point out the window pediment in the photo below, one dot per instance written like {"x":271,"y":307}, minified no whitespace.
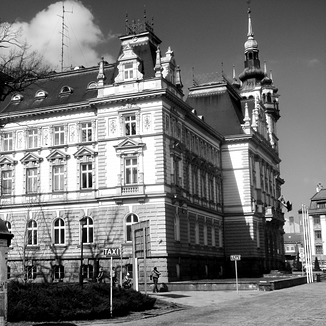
{"x":85,"y":151}
{"x":129,"y":145}
{"x":57,"y":154}
{"x":30,"y":157}
{"x":129,"y":108}
{"x":7,"y":161}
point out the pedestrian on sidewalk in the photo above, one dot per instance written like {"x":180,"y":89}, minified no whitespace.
{"x":155,"y":276}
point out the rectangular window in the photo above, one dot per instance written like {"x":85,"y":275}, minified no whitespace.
{"x":86,"y":132}
{"x":316,"y":221}
{"x":203,"y":186}
{"x":175,"y":163}
{"x":194,"y":182}
{"x":30,"y":272}
{"x":319,"y":250}
{"x":318,"y":235}
{"x":131,"y":171}
{"x":86,"y":176}
{"x":58,"y":178}
{"x":130,"y":125}
{"x":31,"y":180}
{"x":7,"y":142}
{"x":129,"y":71}
{"x":32,"y":138}
{"x":6,"y":182}
{"x":59,"y":135}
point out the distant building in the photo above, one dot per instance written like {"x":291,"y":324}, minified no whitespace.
{"x":89,"y":154}
{"x":317,"y":221}
{"x":293,"y":224}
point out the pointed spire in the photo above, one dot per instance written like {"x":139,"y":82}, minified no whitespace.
{"x":158,"y":66}
{"x":251,"y":43}
{"x":265,"y":68}
{"x":246,"y":125}
{"x":233,"y":72}
{"x":250,"y":32}
{"x":270,"y":75}
{"x":101,"y":75}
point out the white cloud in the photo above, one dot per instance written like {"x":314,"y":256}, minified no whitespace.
{"x":81,"y":35}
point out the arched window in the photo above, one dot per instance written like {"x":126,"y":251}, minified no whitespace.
{"x":88,"y":230}
{"x":32,"y":233}
{"x":269,"y":98}
{"x":130,"y":220}
{"x":8,"y":225}
{"x":59,"y":231}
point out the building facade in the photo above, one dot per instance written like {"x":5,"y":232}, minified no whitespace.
{"x":89,"y":153}
{"x":317,"y":225}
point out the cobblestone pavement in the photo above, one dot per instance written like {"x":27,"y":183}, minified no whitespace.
{"x":302,"y":305}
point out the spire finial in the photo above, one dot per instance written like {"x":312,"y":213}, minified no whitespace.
{"x":158,"y":66}
{"x":250,"y":32}
{"x":233,"y":72}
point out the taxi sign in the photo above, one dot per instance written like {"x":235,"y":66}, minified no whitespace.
{"x":235,"y":257}
{"x":112,"y":251}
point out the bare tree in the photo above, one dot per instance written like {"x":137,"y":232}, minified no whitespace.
{"x":19,"y":67}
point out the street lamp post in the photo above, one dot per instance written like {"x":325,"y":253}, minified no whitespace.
{"x":82,"y":222}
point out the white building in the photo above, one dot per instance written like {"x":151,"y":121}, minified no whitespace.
{"x":117,"y":144}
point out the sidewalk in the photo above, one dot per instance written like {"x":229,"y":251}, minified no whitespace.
{"x":300,"y":305}
{"x":205,"y":298}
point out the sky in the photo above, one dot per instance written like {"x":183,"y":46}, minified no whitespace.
{"x":208,"y":36}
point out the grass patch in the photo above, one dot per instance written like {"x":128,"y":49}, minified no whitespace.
{"x":56,"y":302}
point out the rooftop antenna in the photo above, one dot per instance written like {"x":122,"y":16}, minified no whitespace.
{"x":64,"y":28}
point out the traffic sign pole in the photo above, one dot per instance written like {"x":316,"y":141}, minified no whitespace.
{"x":235,"y":258}
{"x":236,"y":276}
{"x":111,"y":288}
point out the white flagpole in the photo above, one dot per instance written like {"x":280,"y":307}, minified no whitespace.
{"x":305,"y":240}
{"x":310,"y":246}
{"x":307,"y":244}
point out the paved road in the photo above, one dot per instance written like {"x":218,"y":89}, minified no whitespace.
{"x":302,"y":305}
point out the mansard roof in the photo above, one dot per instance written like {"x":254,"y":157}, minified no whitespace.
{"x":220,"y":105}
{"x":319,"y":196}
{"x":64,"y":91}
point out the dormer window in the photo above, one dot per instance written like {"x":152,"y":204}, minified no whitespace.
{"x":129,"y":66}
{"x":41,"y":94}
{"x":17,"y":98}
{"x":66,"y":90}
{"x":92,"y":85}
{"x":128,"y":70}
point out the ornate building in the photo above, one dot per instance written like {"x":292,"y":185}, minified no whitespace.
{"x":246,"y":114}
{"x":89,"y":153}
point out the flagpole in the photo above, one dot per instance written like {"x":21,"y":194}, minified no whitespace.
{"x":310,"y":247}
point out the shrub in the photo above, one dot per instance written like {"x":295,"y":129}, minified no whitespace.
{"x":54,"y":302}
